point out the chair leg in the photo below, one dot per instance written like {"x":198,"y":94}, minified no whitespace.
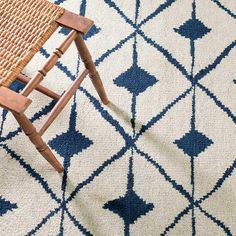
{"x":90,"y":66}
{"x":37,"y":140}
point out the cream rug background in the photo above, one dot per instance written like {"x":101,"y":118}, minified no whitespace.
{"x":160,"y":159}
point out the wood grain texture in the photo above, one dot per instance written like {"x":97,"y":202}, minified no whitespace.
{"x":90,"y":66}
{"x":51,"y":62}
{"x":13,"y":101}
{"x":75,"y":22}
{"x":37,"y":140}
{"x":24,"y":79}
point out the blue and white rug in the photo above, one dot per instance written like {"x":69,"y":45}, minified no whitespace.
{"x":160,"y":159}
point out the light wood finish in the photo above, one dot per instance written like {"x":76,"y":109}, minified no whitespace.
{"x":90,"y":66}
{"x":13,"y":101}
{"x":75,"y":22}
{"x":24,"y":79}
{"x":18,"y":103}
{"x":49,"y":64}
{"x":37,"y":140}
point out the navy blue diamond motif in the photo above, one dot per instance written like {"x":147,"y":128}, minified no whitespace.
{"x":17,"y":86}
{"x":70,"y":143}
{"x":6,"y":206}
{"x":193,"y":143}
{"x":135,"y":80}
{"x":130,"y":207}
{"x":93,"y":31}
{"x":193,"y":29}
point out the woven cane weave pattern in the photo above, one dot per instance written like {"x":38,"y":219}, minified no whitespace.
{"x":25,"y":27}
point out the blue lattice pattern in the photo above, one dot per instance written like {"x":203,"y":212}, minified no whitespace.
{"x":160,"y":159}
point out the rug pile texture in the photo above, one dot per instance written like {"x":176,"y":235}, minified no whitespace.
{"x":160,"y":158}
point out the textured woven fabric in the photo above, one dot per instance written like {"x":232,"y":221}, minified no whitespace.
{"x":160,"y":159}
{"x":25,"y":25}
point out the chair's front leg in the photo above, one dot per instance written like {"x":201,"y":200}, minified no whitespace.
{"x":37,"y":140}
{"x":90,"y":66}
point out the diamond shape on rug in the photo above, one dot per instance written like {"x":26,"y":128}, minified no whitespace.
{"x":87,"y":206}
{"x":6,"y":206}
{"x":193,"y":143}
{"x":193,"y":29}
{"x":157,"y":141}
{"x":130,"y":207}
{"x":173,"y":16}
{"x":222,"y":34}
{"x":136,"y":80}
{"x":164,"y":199}
{"x":70,"y":143}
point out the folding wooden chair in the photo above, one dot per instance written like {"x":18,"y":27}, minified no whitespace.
{"x":25,"y":25}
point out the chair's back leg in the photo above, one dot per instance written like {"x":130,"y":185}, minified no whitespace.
{"x":37,"y":140}
{"x":90,"y":66}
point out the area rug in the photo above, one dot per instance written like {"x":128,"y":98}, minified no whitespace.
{"x":160,"y":158}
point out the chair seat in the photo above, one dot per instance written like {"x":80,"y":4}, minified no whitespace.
{"x":25,"y":25}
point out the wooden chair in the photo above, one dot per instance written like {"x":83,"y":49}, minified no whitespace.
{"x":25,"y":25}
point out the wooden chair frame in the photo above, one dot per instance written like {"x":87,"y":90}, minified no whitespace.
{"x":18,"y":103}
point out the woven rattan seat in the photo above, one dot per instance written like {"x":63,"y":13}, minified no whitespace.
{"x":25,"y":26}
